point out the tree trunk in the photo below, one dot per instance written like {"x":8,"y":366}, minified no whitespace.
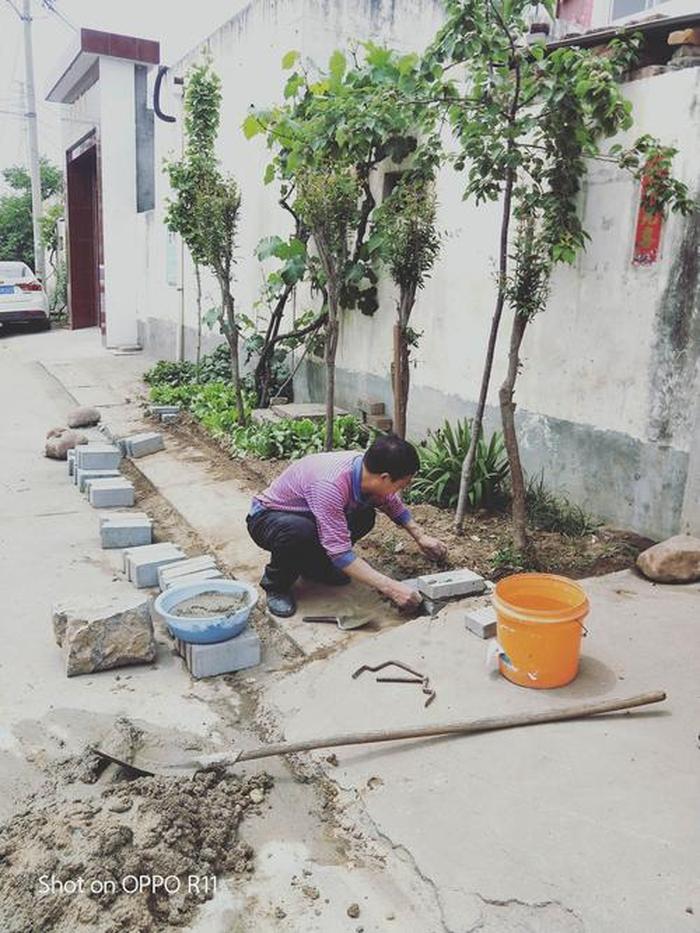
{"x":330,"y":351}
{"x":520,"y":535}
{"x":402,"y":372}
{"x":478,"y":420}
{"x":198,"y":280}
{"x":231,"y":332}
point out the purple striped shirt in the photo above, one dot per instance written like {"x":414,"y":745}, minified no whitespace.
{"x":328,"y":486}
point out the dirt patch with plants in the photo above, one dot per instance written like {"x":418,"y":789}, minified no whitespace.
{"x":140,"y":853}
{"x":485,"y":544}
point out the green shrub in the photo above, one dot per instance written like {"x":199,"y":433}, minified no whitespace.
{"x":213,"y":404}
{"x":291,"y":439}
{"x":441,"y":459}
{"x":167,"y":373}
{"x":550,"y":512}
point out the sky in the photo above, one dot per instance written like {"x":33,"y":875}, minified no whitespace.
{"x":178,"y":26}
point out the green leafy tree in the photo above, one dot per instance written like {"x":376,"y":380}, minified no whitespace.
{"x":408,"y":242}
{"x":328,"y":202}
{"x":527,"y":123}
{"x":16,"y":236}
{"x":206,"y":206}
{"x":350,"y":118}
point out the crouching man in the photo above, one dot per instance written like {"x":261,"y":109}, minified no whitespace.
{"x":312,"y":514}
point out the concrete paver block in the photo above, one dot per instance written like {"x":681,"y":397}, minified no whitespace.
{"x":160,"y":410}
{"x":199,"y":576}
{"x":482,"y":622}
{"x":84,"y":475}
{"x":169,"y":417}
{"x":98,"y":457}
{"x":113,"y":517}
{"x":142,"y":569}
{"x":122,"y":534}
{"x":140,"y":445}
{"x":70,"y":460}
{"x":451,"y":583}
{"x":149,"y":550}
{"x":224,"y":657}
{"x":110,"y":492}
{"x":191,"y":565}
{"x":429,"y":607}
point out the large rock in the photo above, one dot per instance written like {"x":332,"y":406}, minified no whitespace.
{"x":58,"y":445}
{"x":83,"y":417}
{"x":101,"y":632}
{"x":676,"y":560}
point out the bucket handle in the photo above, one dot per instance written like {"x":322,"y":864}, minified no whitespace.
{"x":584,"y":629}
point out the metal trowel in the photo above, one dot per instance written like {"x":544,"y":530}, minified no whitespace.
{"x":344,"y":623}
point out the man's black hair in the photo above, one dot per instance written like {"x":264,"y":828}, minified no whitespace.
{"x":393,"y":455}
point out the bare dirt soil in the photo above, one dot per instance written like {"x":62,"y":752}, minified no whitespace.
{"x":483,"y":545}
{"x":71,"y":860}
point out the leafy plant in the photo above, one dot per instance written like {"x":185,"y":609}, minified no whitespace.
{"x":441,"y":459}
{"x":213,"y":404}
{"x":507,"y":556}
{"x":291,"y":439}
{"x":551,"y":512}
{"x":168,"y":373}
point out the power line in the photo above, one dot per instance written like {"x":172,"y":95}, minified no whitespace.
{"x":50,"y":5}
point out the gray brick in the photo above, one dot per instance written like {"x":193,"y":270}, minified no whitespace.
{"x":165,"y":409}
{"x":451,"y":583}
{"x":112,"y":518}
{"x":224,"y":657}
{"x":145,"y":572}
{"x":98,"y":457}
{"x":199,"y":576}
{"x":85,"y":475}
{"x":169,"y":417}
{"x":482,"y":622}
{"x":140,"y":445}
{"x":123,"y":534}
{"x":111,"y":493}
{"x":191,"y":565}
{"x":150,"y":550}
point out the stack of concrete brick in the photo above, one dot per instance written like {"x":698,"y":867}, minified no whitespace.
{"x":141,"y":564}
{"x":437,"y":589}
{"x":165,"y":413}
{"x":192,"y":570}
{"x":140,"y":445}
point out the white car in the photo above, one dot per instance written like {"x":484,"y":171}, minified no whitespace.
{"x":22,"y":296}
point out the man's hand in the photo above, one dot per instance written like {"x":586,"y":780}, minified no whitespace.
{"x":403,"y":596}
{"x":432,"y":547}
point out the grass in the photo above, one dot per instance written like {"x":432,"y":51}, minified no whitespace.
{"x":548,"y":511}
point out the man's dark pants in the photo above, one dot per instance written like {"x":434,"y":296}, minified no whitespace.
{"x":295,"y":549}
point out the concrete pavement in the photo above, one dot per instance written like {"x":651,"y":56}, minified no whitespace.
{"x":587,"y":826}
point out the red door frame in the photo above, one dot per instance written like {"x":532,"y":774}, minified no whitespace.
{"x":84,"y":233}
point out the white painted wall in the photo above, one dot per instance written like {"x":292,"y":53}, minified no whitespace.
{"x":589,"y":360}
{"x":118,"y":155}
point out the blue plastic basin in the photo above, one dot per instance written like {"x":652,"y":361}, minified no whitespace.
{"x":205,"y":631}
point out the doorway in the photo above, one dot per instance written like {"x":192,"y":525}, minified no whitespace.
{"x":84,"y":238}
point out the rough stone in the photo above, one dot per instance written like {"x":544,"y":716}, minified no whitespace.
{"x":684,"y":37}
{"x":54,"y":432}
{"x":676,"y":560}
{"x":223,"y":657}
{"x":58,"y":445}
{"x":104,"y":631}
{"x":83,"y":417}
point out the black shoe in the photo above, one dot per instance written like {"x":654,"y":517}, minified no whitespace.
{"x":282,"y":605}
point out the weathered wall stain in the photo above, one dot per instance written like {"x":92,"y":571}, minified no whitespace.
{"x":676,"y":349}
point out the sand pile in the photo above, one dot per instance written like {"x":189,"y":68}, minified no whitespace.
{"x":139,"y":855}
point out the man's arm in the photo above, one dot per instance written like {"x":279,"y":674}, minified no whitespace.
{"x":431,"y":547}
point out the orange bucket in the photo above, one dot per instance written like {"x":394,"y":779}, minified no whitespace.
{"x":539,"y":627}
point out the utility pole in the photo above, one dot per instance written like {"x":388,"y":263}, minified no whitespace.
{"x":39,"y":266}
